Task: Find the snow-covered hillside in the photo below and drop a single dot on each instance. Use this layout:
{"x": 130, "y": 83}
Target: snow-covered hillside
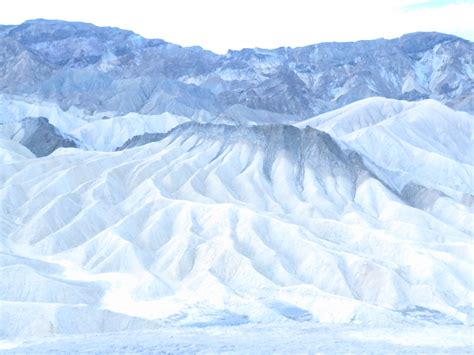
{"x": 420, "y": 142}
{"x": 99, "y": 131}
{"x": 226, "y": 225}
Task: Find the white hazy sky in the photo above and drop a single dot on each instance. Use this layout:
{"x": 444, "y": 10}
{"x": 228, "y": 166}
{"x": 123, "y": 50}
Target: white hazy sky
{"x": 220, "y": 25}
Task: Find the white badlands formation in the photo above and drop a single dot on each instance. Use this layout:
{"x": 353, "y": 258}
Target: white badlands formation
{"x": 231, "y": 225}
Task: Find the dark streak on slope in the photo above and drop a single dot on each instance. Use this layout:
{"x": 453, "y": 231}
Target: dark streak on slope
{"x": 304, "y": 147}
{"x": 42, "y": 138}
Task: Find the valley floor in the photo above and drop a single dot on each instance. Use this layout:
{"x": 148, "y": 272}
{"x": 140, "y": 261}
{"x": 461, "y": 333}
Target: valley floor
{"x": 259, "y": 338}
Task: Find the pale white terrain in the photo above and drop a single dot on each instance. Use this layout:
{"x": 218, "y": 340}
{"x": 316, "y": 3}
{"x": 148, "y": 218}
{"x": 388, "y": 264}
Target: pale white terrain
{"x": 423, "y": 142}
{"x": 302, "y": 338}
{"x": 233, "y": 231}
{"x": 11, "y": 151}
{"x": 104, "y": 131}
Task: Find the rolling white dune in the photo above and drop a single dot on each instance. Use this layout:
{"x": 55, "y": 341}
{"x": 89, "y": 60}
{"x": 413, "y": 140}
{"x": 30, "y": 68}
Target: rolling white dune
{"x": 217, "y": 224}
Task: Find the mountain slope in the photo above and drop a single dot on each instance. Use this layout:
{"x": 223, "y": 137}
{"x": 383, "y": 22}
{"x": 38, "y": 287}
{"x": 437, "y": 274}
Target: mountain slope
{"x": 108, "y": 69}
{"x": 423, "y": 142}
{"x": 100, "y": 131}
{"x": 225, "y": 225}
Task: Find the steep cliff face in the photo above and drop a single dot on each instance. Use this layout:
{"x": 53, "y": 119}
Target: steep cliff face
{"x": 42, "y": 138}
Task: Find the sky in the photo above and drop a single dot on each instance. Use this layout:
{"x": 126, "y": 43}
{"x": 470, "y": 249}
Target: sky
{"x": 219, "y": 25}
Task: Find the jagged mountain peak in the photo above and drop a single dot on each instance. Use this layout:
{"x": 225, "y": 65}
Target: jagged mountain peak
{"x": 422, "y": 41}
{"x": 44, "y": 30}
{"x": 109, "y": 69}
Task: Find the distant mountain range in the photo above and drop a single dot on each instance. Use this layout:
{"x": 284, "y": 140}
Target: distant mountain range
{"x": 109, "y": 69}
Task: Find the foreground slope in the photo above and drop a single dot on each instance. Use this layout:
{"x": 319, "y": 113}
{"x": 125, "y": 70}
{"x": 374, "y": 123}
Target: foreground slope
{"x": 225, "y": 225}
{"x": 257, "y": 339}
